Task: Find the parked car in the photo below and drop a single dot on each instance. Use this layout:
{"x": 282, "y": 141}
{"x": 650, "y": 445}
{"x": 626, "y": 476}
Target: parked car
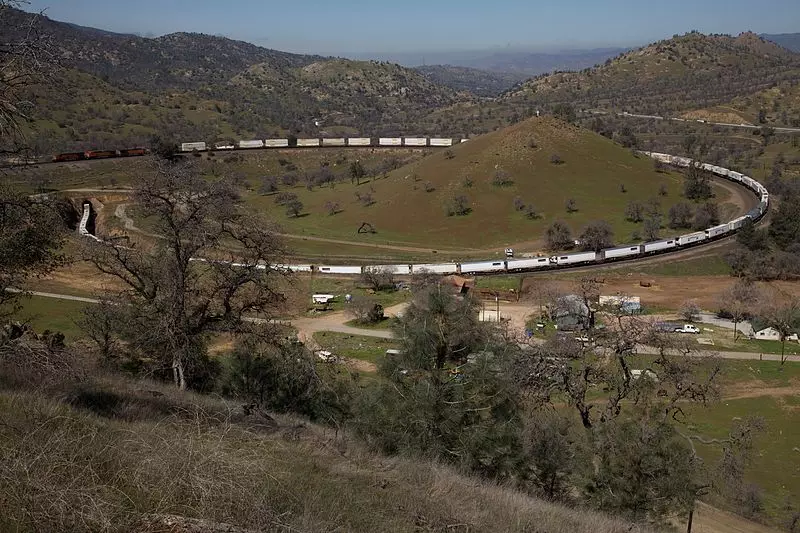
{"x": 687, "y": 328}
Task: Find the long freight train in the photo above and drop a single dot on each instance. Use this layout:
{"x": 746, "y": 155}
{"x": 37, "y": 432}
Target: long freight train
{"x": 629, "y": 251}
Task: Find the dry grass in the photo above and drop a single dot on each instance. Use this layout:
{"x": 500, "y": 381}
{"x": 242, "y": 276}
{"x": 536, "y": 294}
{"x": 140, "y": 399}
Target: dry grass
{"x": 63, "y": 468}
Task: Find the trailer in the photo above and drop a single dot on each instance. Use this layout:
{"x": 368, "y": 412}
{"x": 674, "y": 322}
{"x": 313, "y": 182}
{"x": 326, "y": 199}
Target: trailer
{"x": 294, "y": 268}
{"x": 657, "y": 246}
{"x": 224, "y": 145}
{"x": 255, "y": 143}
{"x": 483, "y": 266}
{"x": 440, "y": 268}
{"x": 339, "y": 269}
{"x": 691, "y": 238}
{"x": 436, "y": 141}
{"x": 276, "y": 143}
{"x": 198, "y": 146}
{"x": 737, "y": 223}
{"x": 573, "y": 259}
{"x": 626, "y": 251}
{"x": 307, "y": 142}
{"x": 525, "y": 264}
{"x": 390, "y": 141}
{"x": 339, "y": 141}
{"x": 415, "y": 141}
{"x": 402, "y": 270}
{"x": 359, "y": 141}
{"x": 716, "y": 231}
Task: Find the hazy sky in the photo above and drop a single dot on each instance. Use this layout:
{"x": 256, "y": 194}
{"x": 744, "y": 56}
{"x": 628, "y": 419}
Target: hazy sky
{"x": 341, "y": 27}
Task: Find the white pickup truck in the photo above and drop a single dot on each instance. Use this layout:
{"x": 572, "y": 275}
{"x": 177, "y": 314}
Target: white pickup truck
{"x": 687, "y": 328}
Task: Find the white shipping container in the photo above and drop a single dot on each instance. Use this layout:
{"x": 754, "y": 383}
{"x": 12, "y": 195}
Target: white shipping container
{"x": 520, "y": 264}
{"x": 464, "y": 140}
{"x": 224, "y": 146}
{"x": 307, "y": 142}
{"x": 735, "y": 175}
{"x": 716, "y": 231}
{"x": 276, "y": 143}
{"x": 359, "y": 141}
{"x": 390, "y": 141}
{"x": 613, "y": 253}
{"x": 339, "y": 269}
{"x": 333, "y": 142}
{"x": 659, "y": 245}
{"x": 483, "y": 266}
{"x": 255, "y": 143}
{"x": 190, "y": 147}
{"x": 441, "y": 268}
{"x": 441, "y": 142}
{"x": 294, "y": 268}
{"x": 690, "y": 238}
{"x": 415, "y": 141}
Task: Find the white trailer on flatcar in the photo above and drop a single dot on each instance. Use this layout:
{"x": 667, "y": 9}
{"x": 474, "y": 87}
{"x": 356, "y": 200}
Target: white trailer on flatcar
{"x": 483, "y": 266}
{"x": 657, "y": 246}
{"x": 716, "y": 231}
{"x": 572, "y": 259}
{"x": 415, "y": 141}
{"x": 333, "y": 269}
{"x": 390, "y": 141}
{"x": 276, "y": 143}
{"x": 340, "y": 141}
{"x": 737, "y": 223}
{"x": 436, "y": 141}
{"x": 690, "y": 238}
{"x": 224, "y": 145}
{"x": 193, "y": 146}
{"x": 294, "y": 268}
{"x": 525, "y": 264}
{"x": 359, "y": 141}
{"x": 255, "y": 143}
{"x": 403, "y": 270}
{"x": 307, "y": 142}
{"x": 440, "y": 268}
{"x": 623, "y": 251}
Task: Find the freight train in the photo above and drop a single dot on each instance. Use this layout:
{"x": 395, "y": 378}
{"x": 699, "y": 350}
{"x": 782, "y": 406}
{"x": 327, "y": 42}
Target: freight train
{"x": 99, "y": 154}
{"x": 321, "y": 142}
{"x": 625, "y": 252}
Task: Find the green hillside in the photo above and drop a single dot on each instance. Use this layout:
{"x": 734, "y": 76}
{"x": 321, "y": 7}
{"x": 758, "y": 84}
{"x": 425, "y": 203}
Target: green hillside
{"x": 410, "y": 203}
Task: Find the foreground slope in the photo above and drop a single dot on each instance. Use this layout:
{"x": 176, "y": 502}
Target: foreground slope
{"x": 409, "y": 205}
{"x": 152, "y": 457}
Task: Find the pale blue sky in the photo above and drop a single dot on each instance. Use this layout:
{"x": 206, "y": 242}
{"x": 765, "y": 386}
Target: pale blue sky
{"x": 342, "y": 27}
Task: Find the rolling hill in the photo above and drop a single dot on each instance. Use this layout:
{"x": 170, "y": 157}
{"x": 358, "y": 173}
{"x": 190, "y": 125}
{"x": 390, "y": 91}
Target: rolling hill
{"x": 789, "y": 41}
{"x": 685, "y": 72}
{"x": 408, "y": 207}
{"x": 200, "y": 86}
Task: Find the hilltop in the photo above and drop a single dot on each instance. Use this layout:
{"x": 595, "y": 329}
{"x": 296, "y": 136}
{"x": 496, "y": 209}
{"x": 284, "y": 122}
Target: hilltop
{"x": 409, "y": 205}
{"x": 685, "y": 72}
{"x": 476, "y": 81}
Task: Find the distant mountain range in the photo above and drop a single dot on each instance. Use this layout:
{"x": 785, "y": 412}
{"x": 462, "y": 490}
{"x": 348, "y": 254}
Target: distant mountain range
{"x": 516, "y": 61}
{"x": 787, "y": 40}
{"x": 118, "y": 89}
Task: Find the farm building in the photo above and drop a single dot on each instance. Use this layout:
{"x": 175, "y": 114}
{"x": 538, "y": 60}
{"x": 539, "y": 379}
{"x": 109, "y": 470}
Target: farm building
{"x": 772, "y": 334}
{"x": 571, "y": 313}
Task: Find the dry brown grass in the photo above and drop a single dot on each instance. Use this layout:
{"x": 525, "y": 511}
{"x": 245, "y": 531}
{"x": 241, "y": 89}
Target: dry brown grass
{"x": 63, "y": 468}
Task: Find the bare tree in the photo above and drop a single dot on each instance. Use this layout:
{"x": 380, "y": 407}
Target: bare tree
{"x": 571, "y": 206}
{"x": 739, "y": 301}
{"x": 173, "y": 301}
{"x": 689, "y": 310}
{"x": 332, "y": 207}
{"x": 294, "y": 208}
{"x": 365, "y": 310}
{"x": 634, "y": 211}
{"x": 558, "y": 236}
{"x": 378, "y": 278}
{"x": 31, "y": 235}
{"x": 597, "y": 235}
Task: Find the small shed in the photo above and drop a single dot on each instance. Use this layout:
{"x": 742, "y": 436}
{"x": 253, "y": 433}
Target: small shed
{"x": 625, "y": 304}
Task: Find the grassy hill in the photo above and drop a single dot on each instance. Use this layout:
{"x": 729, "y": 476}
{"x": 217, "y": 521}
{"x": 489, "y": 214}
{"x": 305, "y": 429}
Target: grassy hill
{"x": 409, "y": 204}
{"x": 124, "y": 455}
{"x": 473, "y": 80}
{"x": 689, "y": 71}
{"x": 776, "y": 106}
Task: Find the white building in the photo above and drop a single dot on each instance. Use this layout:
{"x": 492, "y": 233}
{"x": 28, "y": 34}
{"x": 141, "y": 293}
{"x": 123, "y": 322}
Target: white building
{"x": 772, "y": 334}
